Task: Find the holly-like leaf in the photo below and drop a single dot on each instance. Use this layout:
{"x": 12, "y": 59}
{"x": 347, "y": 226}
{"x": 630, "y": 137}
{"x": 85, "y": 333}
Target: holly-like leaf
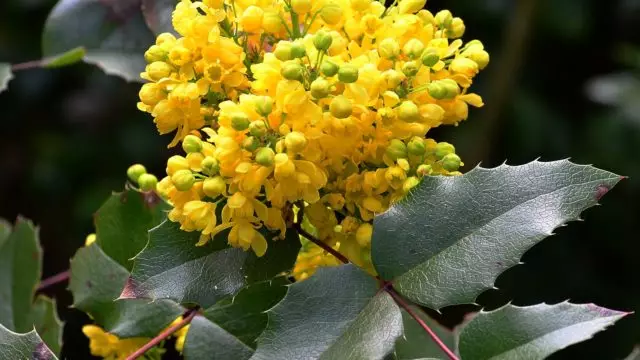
{"x": 452, "y": 236}
{"x": 113, "y": 33}
{"x": 5, "y": 76}
{"x": 23, "y": 346}
{"x": 338, "y": 313}
{"x": 157, "y": 14}
{"x": 532, "y": 332}
{"x": 230, "y": 328}
{"x": 172, "y": 267}
{"x": 20, "y": 264}
{"x": 96, "y": 282}
{"x": 47, "y": 323}
{"x": 123, "y": 222}
{"x": 416, "y": 343}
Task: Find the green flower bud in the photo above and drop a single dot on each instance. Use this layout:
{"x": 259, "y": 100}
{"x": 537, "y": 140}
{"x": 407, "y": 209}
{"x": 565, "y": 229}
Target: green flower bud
{"x": 430, "y": 58}
{"x": 155, "y": 53}
{"x": 408, "y": 111}
{"x": 481, "y": 58}
{"x": 240, "y": 122}
{"x": 331, "y": 13}
{"x": 410, "y": 183}
{"x": 298, "y": 50}
{"x": 183, "y": 180}
{"x": 442, "y": 149}
{"x": 348, "y": 74}
{"x": 341, "y": 107}
{"x": 134, "y": 172}
{"x": 451, "y": 162}
{"x": 456, "y": 29}
{"x": 210, "y": 165}
{"x": 320, "y": 88}
{"x": 396, "y": 150}
{"x": 175, "y": 163}
{"x": 292, "y": 71}
{"x": 258, "y": 128}
{"x": 295, "y": 141}
{"x": 413, "y": 48}
{"x": 191, "y": 144}
{"x": 437, "y": 90}
{"x": 416, "y": 146}
{"x": 322, "y": 40}
{"x": 443, "y": 18}
{"x": 410, "y": 68}
{"x": 250, "y": 143}
{"x": 389, "y": 48}
{"x": 214, "y": 186}
{"x": 282, "y": 51}
{"x": 451, "y": 87}
{"x": 264, "y": 105}
{"x": 424, "y": 170}
{"x": 147, "y": 182}
{"x": 410, "y": 6}
{"x": 265, "y": 156}
{"x": 328, "y": 68}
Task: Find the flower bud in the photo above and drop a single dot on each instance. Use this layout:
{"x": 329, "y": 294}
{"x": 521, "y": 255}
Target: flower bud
{"x": 416, "y": 146}
{"x": 393, "y": 78}
{"x": 210, "y": 165}
{"x": 301, "y": 6}
{"x": 298, "y": 50}
{"x": 214, "y": 186}
{"x": 176, "y": 163}
{"x": 257, "y": 128}
{"x": 292, "y": 71}
{"x": 183, "y": 180}
{"x": 443, "y": 18}
{"x": 442, "y": 149}
{"x": 295, "y": 141}
{"x": 251, "y": 19}
{"x": 328, "y": 68}
{"x": 134, "y": 171}
{"x": 456, "y": 29}
{"x": 240, "y": 121}
{"x": 451, "y": 87}
{"x": 424, "y": 170}
{"x": 437, "y": 90}
{"x": 331, "y": 13}
{"x": 265, "y": 156}
{"x": 430, "y": 58}
{"x": 322, "y": 40}
{"x": 410, "y": 183}
{"x": 250, "y": 143}
{"x": 413, "y": 48}
{"x": 389, "y": 48}
{"x": 451, "y": 162}
{"x": 264, "y": 105}
{"x": 320, "y": 88}
{"x": 410, "y": 68}
{"x": 396, "y": 150}
{"x": 155, "y": 53}
{"x": 90, "y": 239}
{"x": 348, "y": 74}
{"x": 426, "y": 16}
{"x": 341, "y": 107}
{"x": 360, "y": 5}
{"x": 158, "y": 70}
{"x": 481, "y": 58}
{"x": 363, "y": 234}
{"x": 147, "y": 182}
{"x": 191, "y": 144}
{"x": 462, "y": 65}
{"x": 408, "y": 111}
{"x": 151, "y": 93}
{"x": 282, "y": 51}
{"x": 410, "y": 6}
{"x": 271, "y": 22}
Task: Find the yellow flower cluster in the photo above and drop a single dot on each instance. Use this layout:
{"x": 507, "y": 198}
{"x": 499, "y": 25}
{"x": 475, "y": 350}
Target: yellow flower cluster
{"x": 110, "y": 347}
{"x": 321, "y": 104}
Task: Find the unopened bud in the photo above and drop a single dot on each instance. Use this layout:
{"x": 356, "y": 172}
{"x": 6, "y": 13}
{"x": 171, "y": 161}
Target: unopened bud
{"x": 465, "y": 66}
{"x": 410, "y": 68}
{"x": 257, "y": 128}
{"x": 158, "y": 70}
{"x": 443, "y": 18}
{"x": 416, "y": 146}
{"x": 424, "y": 170}
{"x": 408, "y": 111}
{"x": 322, "y": 40}
{"x": 298, "y": 50}
{"x": 331, "y": 13}
{"x": 183, "y": 180}
{"x": 451, "y": 87}
{"x": 295, "y": 141}
{"x": 451, "y": 162}
{"x": 265, "y": 156}
{"x": 283, "y": 51}
{"x": 320, "y": 88}
{"x": 155, "y": 53}
{"x": 430, "y": 58}
{"x": 456, "y": 29}
{"x": 191, "y": 144}
{"x": 251, "y": 19}
{"x": 410, "y": 183}
{"x": 341, "y": 107}
{"x": 264, "y": 105}
{"x": 134, "y": 172}
{"x": 272, "y": 23}
{"x": 250, "y": 143}
{"x": 292, "y": 71}
{"x": 348, "y": 74}
{"x": 214, "y": 186}
{"x": 147, "y": 182}
{"x": 437, "y": 90}
{"x": 413, "y": 48}
{"x": 481, "y": 58}
{"x": 442, "y": 149}
{"x": 176, "y": 163}
{"x": 210, "y": 165}
{"x": 240, "y": 121}
{"x": 301, "y": 6}
{"x": 389, "y": 48}
{"x": 396, "y": 150}
{"x": 360, "y": 5}
{"x": 410, "y": 6}
{"x": 328, "y": 68}
{"x": 363, "y": 234}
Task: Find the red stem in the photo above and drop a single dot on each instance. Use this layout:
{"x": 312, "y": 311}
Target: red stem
{"x": 403, "y": 304}
{"x": 318, "y": 242}
{"x": 27, "y": 65}
{"x": 53, "y": 280}
{"x": 188, "y": 316}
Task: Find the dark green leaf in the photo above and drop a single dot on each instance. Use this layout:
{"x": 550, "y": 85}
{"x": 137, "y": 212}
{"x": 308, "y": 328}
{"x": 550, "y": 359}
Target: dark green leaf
{"x": 5, "y": 76}
{"x": 338, "y": 313}
{"x": 452, "y": 236}
{"x": 532, "y": 332}
{"x": 47, "y": 323}
{"x": 416, "y": 343}
{"x": 230, "y": 328}
{"x": 157, "y": 14}
{"x": 23, "y": 346}
{"x": 113, "y": 33}
{"x": 67, "y": 58}
{"x": 20, "y": 264}
{"x": 172, "y": 267}
{"x": 123, "y": 222}
{"x": 96, "y": 282}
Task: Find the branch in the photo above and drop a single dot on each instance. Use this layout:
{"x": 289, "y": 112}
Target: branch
{"x": 403, "y": 304}
{"x": 53, "y": 280}
{"x": 188, "y": 316}
{"x": 297, "y": 225}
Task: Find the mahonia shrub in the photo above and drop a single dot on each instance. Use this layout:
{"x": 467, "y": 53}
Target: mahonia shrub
{"x": 310, "y": 215}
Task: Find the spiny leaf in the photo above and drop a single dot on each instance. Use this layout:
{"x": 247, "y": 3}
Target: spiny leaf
{"x": 123, "y": 223}
{"x": 416, "y": 343}
{"x": 5, "y": 76}
{"x": 96, "y": 282}
{"x": 20, "y": 264}
{"x": 532, "y": 332}
{"x": 172, "y": 267}
{"x": 452, "y": 236}
{"x": 23, "y": 346}
{"x": 47, "y": 323}
{"x": 157, "y": 15}
{"x": 229, "y": 329}
{"x": 113, "y": 33}
{"x": 338, "y": 313}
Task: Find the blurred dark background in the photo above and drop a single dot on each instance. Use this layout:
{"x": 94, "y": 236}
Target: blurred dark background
{"x": 563, "y": 82}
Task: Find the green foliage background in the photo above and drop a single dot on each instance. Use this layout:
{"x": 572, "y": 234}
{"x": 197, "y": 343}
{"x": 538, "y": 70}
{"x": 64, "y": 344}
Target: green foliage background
{"x": 69, "y": 134}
